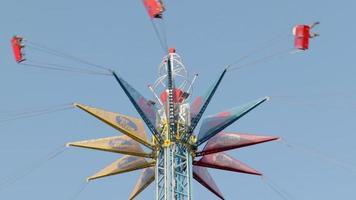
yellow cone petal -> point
(118, 144)
(130, 126)
(146, 178)
(123, 165)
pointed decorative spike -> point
(118, 144)
(225, 141)
(130, 126)
(146, 178)
(201, 174)
(200, 104)
(145, 108)
(224, 162)
(123, 165)
(215, 123)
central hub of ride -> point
(174, 160)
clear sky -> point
(318, 89)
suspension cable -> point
(64, 55)
(13, 112)
(164, 32)
(269, 43)
(264, 59)
(80, 190)
(63, 68)
(162, 41)
(35, 113)
(298, 101)
(277, 189)
(346, 165)
(13, 179)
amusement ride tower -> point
(174, 156)
(170, 158)
(174, 159)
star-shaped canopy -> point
(211, 132)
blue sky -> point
(317, 110)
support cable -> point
(236, 65)
(269, 43)
(289, 51)
(94, 70)
(162, 41)
(80, 190)
(287, 99)
(278, 190)
(331, 97)
(64, 55)
(13, 179)
(164, 32)
(34, 113)
(56, 67)
(312, 152)
(38, 109)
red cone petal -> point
(224, 162)
(224, 141)
(202, 175)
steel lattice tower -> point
(174, 160)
